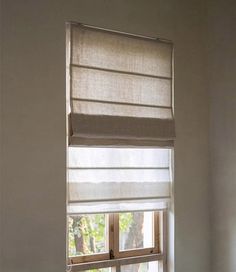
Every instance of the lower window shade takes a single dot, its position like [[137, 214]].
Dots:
[[118, 179]]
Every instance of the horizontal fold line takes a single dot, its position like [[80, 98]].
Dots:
[[95, 182], [120, 103], [119, 71], [114, 142], [118, 168], [118, 199]]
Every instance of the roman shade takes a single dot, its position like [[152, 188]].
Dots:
[[121, 122], [118, 179], [120, 89]]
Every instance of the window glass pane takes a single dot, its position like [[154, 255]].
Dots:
[[136, 230], [88, 234], [141, 267]]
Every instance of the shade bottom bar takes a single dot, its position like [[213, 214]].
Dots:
[[112, 207]]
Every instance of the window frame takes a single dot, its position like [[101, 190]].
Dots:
[[115, 257]]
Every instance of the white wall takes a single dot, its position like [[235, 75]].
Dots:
[[33, 117], [222, 86]]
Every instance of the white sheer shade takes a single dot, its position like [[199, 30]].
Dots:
[[119, 82], [118, 179]]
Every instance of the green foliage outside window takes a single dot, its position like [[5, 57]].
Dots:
[[88, 233]]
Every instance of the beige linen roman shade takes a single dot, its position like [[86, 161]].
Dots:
[[120, 104], [121, 89]]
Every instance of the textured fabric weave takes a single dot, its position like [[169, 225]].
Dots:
[[120, 75], [112, 176]]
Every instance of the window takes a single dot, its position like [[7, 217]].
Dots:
[[116, 203], [117, 239], [120, 137]]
